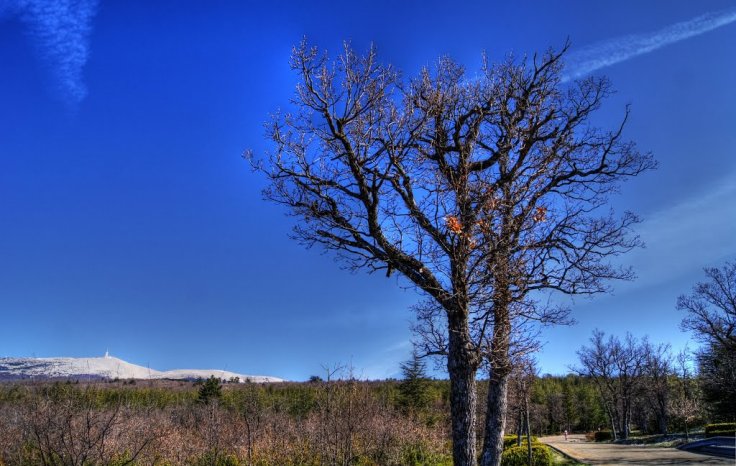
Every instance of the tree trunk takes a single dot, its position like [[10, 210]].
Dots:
[[626, 423], [662, 418], [528, 431], [463, 398], [612, 417], [520, 427], [497, 405], [662, 421], [687, 432]]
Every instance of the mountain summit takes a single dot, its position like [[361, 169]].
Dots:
[[106, 367]]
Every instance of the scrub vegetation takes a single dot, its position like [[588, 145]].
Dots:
[[337, 420]]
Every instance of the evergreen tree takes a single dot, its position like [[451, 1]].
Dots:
[[210, 390], [414, 389]]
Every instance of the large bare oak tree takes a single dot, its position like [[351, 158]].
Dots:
[[480, 190]]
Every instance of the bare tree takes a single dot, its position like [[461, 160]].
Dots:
[[711, 316], [616, 367], [711, 307], [252, 415], [685, 404], [63, 430], [597, 363], [522, 378], [480, 192], [657, 370]]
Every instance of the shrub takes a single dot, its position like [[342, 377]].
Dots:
[[214, 459], [727, 429], [603, 435], [510, 440], [417, 455], [519, 456]]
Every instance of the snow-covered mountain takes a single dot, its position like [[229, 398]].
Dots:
[[106, 367]]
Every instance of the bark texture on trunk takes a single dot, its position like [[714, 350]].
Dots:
[[614, 431], [497, 405], [528, 431], [626, 422], [662, 418], [463, 399]]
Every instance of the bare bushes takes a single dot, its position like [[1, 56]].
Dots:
[[348, 424], [339, 422], [65, 427]]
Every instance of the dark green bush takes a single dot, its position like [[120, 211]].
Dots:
[[519, 456], [603, 435], [726, 429]]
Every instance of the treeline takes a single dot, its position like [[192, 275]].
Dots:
[[645, 386], [574, 403]]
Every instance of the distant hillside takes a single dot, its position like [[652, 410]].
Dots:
[[106, 367]]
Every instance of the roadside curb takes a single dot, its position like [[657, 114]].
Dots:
[[564, 454]]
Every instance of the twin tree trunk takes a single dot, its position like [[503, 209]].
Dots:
[[463, 401], [499, 358], [372, 165], [463, 394]]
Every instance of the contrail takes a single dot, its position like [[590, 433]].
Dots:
[[610, 52], [60, 30]]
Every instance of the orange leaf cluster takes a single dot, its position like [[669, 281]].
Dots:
[[453, 224], [540, 215]]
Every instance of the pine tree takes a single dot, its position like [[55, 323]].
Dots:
[[210, 390], [414, 389]]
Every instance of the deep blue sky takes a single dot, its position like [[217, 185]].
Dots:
[[129, 221]]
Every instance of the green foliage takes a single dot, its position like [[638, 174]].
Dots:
[[13, 393], [571, 402], [519, 456], [419, 455], [210, 390], [717, 374], [603, 436], [122, 460], [725, 429], [511, 440], [216, 459], [414, 389]]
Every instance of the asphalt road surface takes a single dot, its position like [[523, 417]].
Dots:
[[612, 454]]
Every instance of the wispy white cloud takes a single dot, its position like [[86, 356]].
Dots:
[[610, 52], [683, 238], [60, 30]]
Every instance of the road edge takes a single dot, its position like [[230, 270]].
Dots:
[[565, 454]]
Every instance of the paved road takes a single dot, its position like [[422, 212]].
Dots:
[[608, 454]]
